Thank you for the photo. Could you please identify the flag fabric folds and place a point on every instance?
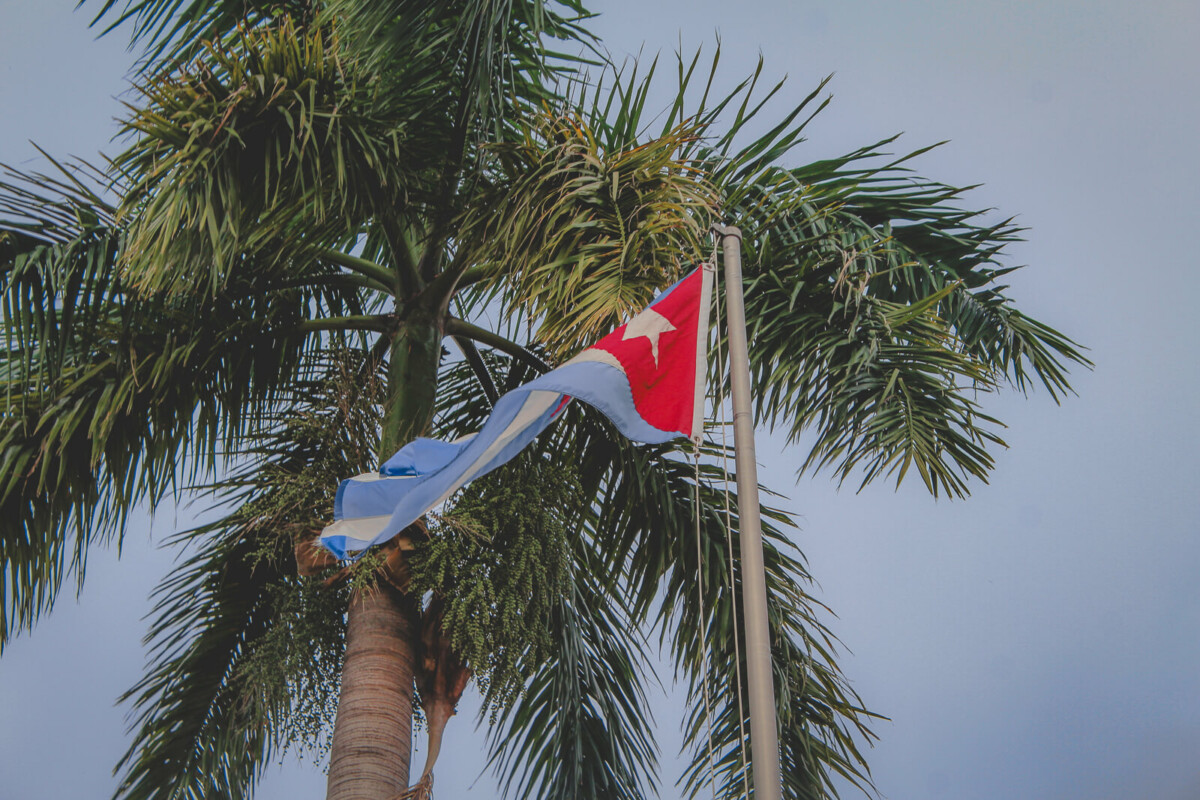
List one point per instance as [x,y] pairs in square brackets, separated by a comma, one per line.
[647,376]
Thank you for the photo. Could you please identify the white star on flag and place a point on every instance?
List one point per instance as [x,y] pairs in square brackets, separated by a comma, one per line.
[650,324]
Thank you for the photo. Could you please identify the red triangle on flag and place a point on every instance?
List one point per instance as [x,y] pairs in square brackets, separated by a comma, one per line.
[658,351]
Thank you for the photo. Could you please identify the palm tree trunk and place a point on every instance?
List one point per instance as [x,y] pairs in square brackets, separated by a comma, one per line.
[372,737]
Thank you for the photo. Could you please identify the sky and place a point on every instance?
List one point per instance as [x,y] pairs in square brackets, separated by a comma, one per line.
[1037,640]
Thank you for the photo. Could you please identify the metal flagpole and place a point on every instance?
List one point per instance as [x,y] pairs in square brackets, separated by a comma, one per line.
[764,738]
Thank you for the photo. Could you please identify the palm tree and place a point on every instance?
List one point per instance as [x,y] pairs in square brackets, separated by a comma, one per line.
[252,300]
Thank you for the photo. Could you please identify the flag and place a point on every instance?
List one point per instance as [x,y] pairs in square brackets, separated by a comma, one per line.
[647,376]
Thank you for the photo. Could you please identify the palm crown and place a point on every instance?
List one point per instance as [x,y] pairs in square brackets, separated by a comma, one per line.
[252,298]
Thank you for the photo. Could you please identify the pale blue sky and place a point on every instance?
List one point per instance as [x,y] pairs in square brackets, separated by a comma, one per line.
[1039,640]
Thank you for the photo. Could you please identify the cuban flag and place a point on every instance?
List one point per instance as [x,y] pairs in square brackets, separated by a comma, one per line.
[646,376]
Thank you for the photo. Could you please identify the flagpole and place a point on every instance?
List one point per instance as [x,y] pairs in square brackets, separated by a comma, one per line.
[764,737]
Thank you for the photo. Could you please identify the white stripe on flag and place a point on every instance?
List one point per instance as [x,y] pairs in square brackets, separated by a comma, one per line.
[535,405]
[360,529]
[595,354]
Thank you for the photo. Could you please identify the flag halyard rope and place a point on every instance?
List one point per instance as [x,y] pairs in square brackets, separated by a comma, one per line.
[704,655]
[697,439]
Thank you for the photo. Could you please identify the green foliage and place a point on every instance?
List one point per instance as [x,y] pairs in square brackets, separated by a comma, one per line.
[179,29]
[197,735]
[882,330]
[292,675]
[267,145]
[490,55]
[498,560]
[634,576]
[244,655]
[579,237]
[582,727]
[114,397]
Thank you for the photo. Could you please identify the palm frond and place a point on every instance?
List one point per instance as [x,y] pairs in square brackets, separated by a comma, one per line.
[821,720]
[468,50]
[175,31]
[883,384]
[113,397]
[876,320]
[580,728]
[195,734]
[245,656]
[268,148]
[872,295]
[44,539]
[655,550]
[580,238]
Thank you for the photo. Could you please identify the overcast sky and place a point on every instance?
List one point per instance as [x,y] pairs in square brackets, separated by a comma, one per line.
[1039,640]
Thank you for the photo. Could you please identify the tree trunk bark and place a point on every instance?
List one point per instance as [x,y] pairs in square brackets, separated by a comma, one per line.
[372,737]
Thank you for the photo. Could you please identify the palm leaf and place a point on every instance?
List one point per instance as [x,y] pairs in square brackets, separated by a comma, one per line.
[655,548]
[469,48]
[195,734]
[113,397]
[271,147]
[872,295]
[580,238]
[580,727]
[239,670]
[174,31]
